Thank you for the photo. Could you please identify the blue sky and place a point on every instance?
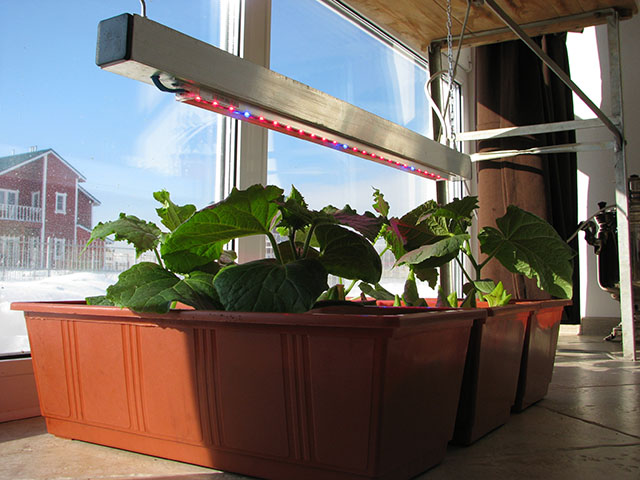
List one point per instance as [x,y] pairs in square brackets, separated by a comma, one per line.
[128,139]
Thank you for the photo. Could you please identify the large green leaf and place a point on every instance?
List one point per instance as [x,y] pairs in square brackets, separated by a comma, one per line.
[459,208]
[526,244]
[413,236]
[172,215]
[346,254]
[142,235]
[436,255]
[201,238]
[147,287]
[267,286]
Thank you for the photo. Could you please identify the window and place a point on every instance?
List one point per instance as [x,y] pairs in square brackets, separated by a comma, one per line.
[8,197]
[317,46]
[61,202]
[122,139]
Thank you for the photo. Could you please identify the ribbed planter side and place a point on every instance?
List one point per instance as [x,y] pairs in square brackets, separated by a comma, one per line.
[491,372]
[343,394]
[538,355]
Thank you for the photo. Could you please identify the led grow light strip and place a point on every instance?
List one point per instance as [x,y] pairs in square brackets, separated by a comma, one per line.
[216,104]
[141,49]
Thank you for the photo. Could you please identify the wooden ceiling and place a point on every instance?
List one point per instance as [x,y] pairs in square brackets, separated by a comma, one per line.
[418,23]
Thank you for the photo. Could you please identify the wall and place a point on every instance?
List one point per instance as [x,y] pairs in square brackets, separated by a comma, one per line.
[596,178]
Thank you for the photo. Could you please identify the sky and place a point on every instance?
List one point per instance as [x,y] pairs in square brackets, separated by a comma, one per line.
[128,139]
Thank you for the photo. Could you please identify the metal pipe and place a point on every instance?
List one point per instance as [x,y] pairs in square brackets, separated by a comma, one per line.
[555,68]
[527,130]
[622,202]
[565,148]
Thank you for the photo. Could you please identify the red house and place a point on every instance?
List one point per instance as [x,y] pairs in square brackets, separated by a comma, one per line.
[42,202]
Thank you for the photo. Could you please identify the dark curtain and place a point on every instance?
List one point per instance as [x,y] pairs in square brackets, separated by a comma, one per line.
[514,88]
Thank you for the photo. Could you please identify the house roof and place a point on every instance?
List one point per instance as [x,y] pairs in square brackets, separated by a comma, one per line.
[95,201]
[14,161]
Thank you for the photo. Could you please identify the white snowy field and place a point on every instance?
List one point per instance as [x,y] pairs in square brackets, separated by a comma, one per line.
[72,286]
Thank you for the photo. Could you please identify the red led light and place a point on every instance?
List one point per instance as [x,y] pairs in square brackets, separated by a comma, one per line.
[198,99]
[335,142]
[275,123]
[231,109]
[373,155]
[215,102]
[301,132]
[355,149]
[313,135]
[261,119]
[288,127]
[324,139]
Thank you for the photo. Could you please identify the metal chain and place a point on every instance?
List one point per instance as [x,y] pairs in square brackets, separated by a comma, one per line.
[450,66]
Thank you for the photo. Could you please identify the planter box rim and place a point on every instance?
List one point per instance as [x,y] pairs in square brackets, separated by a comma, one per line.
[359,317]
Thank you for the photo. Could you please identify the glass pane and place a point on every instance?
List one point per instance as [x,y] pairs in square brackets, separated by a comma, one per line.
[104,143]
[313,44]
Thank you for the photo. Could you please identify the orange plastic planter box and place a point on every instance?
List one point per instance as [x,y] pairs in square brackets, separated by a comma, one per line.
[355,393]
[539,353]
[491,372]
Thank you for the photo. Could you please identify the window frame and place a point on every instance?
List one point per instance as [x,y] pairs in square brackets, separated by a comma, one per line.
[63,196]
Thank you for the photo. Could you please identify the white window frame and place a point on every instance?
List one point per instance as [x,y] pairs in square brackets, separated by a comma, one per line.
[35,198]
[62,196]
[7,192]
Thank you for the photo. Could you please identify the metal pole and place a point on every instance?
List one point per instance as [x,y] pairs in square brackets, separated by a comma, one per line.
[622,203]
[553,66]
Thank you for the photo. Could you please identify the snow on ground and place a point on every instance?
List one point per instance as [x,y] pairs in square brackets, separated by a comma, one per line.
[73,286]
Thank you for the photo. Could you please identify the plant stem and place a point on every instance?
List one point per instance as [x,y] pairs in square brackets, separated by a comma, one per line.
[155,250]
[307,241]
[292,242]
[276,250]
[464,272]
[350,287]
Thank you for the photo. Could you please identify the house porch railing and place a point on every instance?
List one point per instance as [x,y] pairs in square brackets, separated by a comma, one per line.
[20,213]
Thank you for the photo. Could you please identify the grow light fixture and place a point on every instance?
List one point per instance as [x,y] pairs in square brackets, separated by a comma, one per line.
[207,77]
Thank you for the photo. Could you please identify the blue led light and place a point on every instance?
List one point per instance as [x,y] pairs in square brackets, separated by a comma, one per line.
[345,146]
[247,114]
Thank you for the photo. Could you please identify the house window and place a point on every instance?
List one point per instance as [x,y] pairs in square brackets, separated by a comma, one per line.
[61,202]
[35,199]
[8,197]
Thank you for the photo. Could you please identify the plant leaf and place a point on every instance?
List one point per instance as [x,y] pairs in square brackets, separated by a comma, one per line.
[143,288]
[201,238]
[410,294]
[376,291]
[147,287]
[426,273]
[99,300]
[459,209]
[380,205]
[436,255]
[267,286]
[526,244]
[142,235]
[295,211]
[367,223]
[484,286]
[347,254]
[171,214]
[498,297]
[413,236]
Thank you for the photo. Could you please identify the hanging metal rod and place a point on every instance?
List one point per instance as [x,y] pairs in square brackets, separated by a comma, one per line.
[564,148]
[527,130]
[215,80]
[555,68]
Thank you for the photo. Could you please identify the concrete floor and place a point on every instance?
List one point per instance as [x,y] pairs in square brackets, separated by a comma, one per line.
[588,427]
